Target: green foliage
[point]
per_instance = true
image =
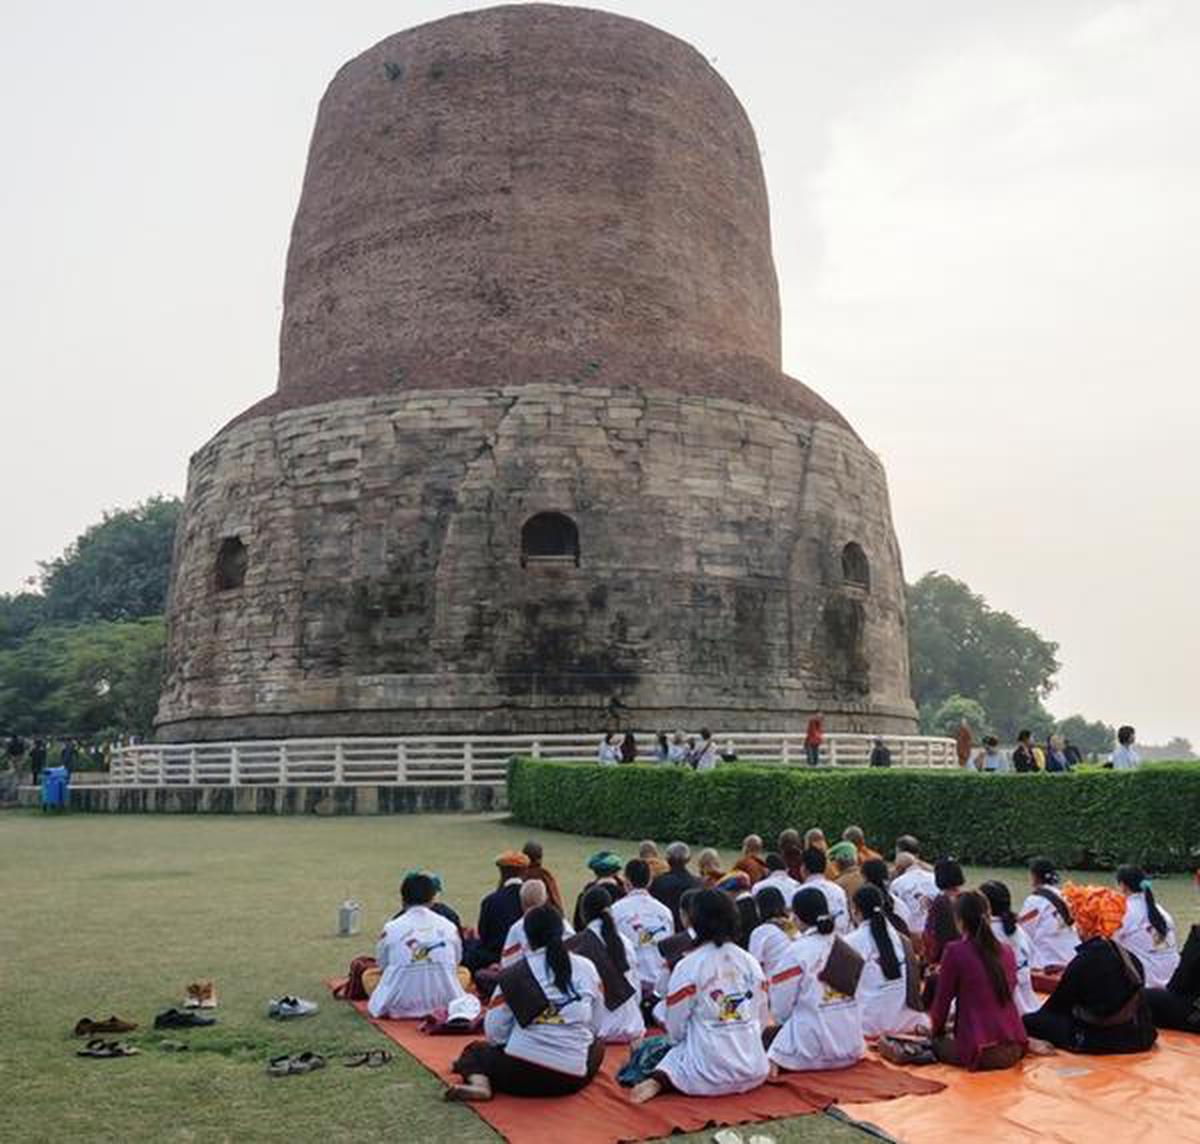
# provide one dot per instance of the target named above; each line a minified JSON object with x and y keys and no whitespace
{"x":20,"y":613}
{"x":1090,"y":737}
{"x":1094,"y":819}
{"x":118,"y":569}
{"x":83,"y":679}
{"x":960,"y":646}
{"x":945,"y":718}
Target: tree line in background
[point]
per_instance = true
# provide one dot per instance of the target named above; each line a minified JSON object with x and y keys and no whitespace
{"x":82,"y":654}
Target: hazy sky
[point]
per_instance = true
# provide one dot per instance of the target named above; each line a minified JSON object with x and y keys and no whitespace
{"x":987,"y":229}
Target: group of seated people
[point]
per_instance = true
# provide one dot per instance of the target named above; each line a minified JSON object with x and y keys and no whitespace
{"x":789,"y":961}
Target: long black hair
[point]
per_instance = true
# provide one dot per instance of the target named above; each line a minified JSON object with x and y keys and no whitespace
{"x":1047,"y":875}
{"x":875,"y":871}
{"x":868,"y":900}
{"x":975,"y":919}
{"x":771,"y":903}
{"x":595,"y":906}
{"x":1134,"y":878}
{"x":713,"y":917}
{"x":812,"y":908}
{"x":748,"y":917}
{"x":544,"y":929}
{"x":1000,"y":903}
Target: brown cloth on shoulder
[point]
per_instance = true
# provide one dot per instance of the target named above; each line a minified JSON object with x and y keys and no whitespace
{"x":523,"y":993}
{"x":843,"y":968}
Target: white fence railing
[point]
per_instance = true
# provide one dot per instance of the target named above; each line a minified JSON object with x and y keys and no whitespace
{"x":449,"y":760}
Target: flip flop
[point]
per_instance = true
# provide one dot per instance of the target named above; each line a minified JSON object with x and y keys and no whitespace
{"x":377,"y":1058}
{"x":106,"y":1049}
{"x":356,"y":1060}
{"x":279,"y":1066}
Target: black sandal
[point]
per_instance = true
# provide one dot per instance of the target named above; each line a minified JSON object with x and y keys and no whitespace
{"x":356,"y":1060}
{"x":377,"y":1058}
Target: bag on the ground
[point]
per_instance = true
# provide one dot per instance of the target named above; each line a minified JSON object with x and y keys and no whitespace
{"x":353,"y":988}
{"x":643,"y":1060}
{"x":843,"y":968}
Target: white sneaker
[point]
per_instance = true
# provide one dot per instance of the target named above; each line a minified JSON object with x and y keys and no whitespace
{"x":285,"y":1007}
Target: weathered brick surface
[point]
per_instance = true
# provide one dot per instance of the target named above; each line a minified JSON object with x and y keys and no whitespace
{"x":709,"y":589}
{"x":531,"y":270}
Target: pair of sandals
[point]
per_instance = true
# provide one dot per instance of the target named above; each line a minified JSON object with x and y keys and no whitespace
{"x":310,"y":1062}
{"x":373,"y":1059}
{"x":104,"y":1050}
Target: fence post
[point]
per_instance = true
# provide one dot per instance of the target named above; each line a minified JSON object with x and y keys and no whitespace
{"x":339,"y":763}
{"x":281,"y":769}
{"x":192,"y":767}
{"x":536,"y":749}
{"x":833,"y":750}
{"x":785,"y":753}
{"x":468,"y":762}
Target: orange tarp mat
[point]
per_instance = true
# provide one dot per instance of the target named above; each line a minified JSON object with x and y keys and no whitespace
{"x":1146,"y":1098}
{"x":602,"y":1114}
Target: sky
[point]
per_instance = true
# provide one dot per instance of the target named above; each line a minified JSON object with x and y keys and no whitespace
{"x":986,"y":223}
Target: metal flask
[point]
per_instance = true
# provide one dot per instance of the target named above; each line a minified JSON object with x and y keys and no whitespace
{"x":347,"y":919}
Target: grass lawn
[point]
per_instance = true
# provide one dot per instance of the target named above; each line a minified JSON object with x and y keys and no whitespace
{"x":116,"y":914}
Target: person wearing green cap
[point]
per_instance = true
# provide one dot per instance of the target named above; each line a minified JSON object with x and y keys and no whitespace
{"x":606,"y":866}
{"x":844,"y":856}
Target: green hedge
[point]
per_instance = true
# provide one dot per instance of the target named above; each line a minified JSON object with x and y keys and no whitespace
{"x":1091,"y":820}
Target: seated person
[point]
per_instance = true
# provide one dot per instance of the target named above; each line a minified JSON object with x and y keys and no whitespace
{"x":648,"y":853}
{"x":606,"y":868}
{"x":776,"y":930}
{"x":844,"y":857}
{"x":978,"y":976}
{"x":645,"y":921}
{"x":715,"y":1011}
{"x":497,"y":912}
{"x":814,"y":878}
{"x":619,"y":1018}
{"x":708,"y":864}
{"x":751,"y":861}
{"x":889,"y":990}
{"x":777,"y":876}
{"x":895,"y":909}
{"x":855,"y":835}
{"x":1008,"y":932}
{"x":1099,"y":1004}
{"x":1147,"y":930}
{"x":941,"y":925}
{"x":438,"y":907}
{"x":417,"y":957}
{"x":541,"y":1024}
{"x":913,"y":882}
{"x":746,"y":905}
{"x":1178,"y":1005}
{"x":536,"y":872}
{"x":668,"y":888}
{"x":819,"y":1027}
{"x":516,"y":942}
{"x":1047,"y":920}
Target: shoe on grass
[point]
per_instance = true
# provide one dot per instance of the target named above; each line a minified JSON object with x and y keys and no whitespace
{"x":86,"y":1027}
{"x":288,"y":1006}
{"x":201,"y":995}
{"x":300,"y":1063}
{"x":103,"y":1050}
{"x":177,"y":1019}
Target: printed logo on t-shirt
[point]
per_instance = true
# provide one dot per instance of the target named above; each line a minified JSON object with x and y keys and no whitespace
{"x":729,"y":1005}
{"x":552,"y":1014}
{"x":419,"y":950}
{"x":647,"y":934}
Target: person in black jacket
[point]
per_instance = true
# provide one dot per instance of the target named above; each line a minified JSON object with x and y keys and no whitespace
{"x":668,"y":888}
{"x":1022,"y":756}
{"x":1178,"y":1006}
{"x":1099,"y":1004}
{"x":497,"y":912}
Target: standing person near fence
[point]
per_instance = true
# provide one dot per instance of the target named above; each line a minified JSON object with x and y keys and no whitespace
{"x":814,"y":736}
{"x":963,"y":742}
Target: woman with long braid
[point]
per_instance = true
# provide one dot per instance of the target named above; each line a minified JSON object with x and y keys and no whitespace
{"x":1147,"y":930}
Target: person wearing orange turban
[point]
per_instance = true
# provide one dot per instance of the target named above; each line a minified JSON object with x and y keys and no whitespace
{"x":1099,"y":1005}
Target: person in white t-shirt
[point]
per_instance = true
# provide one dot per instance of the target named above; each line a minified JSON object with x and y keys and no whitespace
{"x":557,"y":1052}
{"x":715,"y":1012}
{"x":1008,"y":932}
{"x":1047,"y":920}
{"x":1125,"y":758}
{"x":644,"y":921}
{"x":820,"y":1028}
{"x":778,"y":877}
{"x":609,"y":752}
{"x":913,"y":884}
{"x":777,"y":929}
{"x":624,"y":1023}
{"x":516,"y":942}
{"x":1147,"y":930}
{"x":814,"y":861}
{"x":883,"y":988}
{"x":417,"y":955}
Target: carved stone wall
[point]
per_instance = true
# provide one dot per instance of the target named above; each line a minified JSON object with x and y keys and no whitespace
{"x":385,"y":591}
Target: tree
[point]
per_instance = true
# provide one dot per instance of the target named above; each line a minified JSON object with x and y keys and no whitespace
{"x":118,"y":569}
{"x":20,"y":613}
{"x":960,"y":646}
{"x":84,"y":679}
{"x":946,"y":717}
{"x":1090,"y":737}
